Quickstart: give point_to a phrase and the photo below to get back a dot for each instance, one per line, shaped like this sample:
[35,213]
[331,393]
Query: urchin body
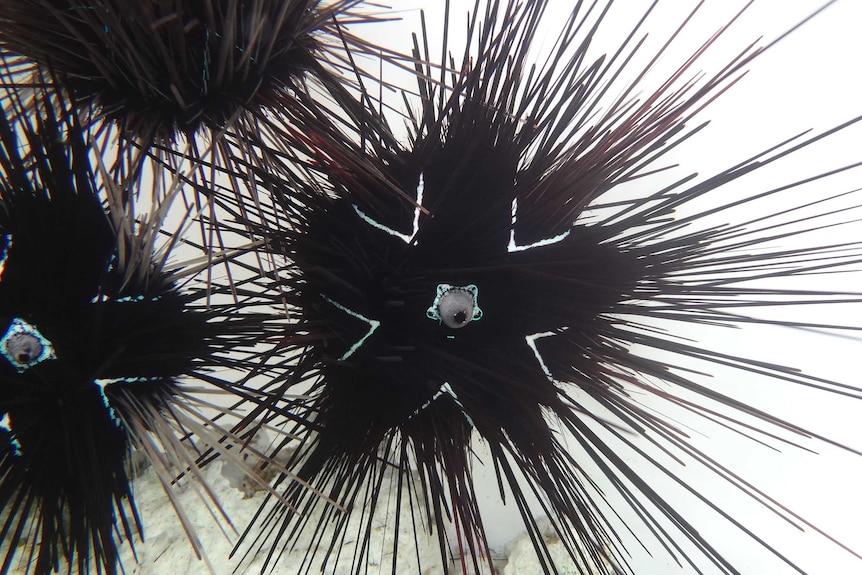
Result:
[164,69]
[511,295]
[374,294]
[434,320]
[89,348]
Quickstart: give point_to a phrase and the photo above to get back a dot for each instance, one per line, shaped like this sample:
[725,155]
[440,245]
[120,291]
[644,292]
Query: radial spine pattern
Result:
[159,69]
[505,299]
[96,334]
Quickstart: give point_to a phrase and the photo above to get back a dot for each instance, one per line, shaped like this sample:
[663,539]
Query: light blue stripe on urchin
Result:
[531,341]
[4,252]
[445,389]
[513,247]
[6,425]
[371,322]
[102,384]
[420,189]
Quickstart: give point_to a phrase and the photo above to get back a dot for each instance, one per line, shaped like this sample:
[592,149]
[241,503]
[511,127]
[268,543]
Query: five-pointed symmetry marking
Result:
[453,306]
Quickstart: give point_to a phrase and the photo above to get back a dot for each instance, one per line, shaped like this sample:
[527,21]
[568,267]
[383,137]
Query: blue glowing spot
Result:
[125,299]
[445,389]
[420,190]
[130,298]
[455,306]
[513,247]
[371,322]
[23,346]
[5,244]
[6,425]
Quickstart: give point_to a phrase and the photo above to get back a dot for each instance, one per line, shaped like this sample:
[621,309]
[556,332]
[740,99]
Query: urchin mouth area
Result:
[140,343]
[400,355]
[393,306]
[24,346]
[401,332]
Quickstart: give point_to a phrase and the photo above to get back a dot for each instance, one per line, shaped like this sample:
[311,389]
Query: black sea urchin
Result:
[97,333]
[514,297]
[191,81]
[159,69]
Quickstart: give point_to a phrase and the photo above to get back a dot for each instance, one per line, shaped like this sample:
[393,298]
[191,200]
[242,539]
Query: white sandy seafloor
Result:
[166,549]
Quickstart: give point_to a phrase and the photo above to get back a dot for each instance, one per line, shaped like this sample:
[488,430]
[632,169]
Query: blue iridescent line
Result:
[420,190]
[6,425]
[531,341]
[372,322]
[4,252]
[239,49]
[136,298]
[205,72]
[125,299]
[513,247]
[445,389]
[103,383]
